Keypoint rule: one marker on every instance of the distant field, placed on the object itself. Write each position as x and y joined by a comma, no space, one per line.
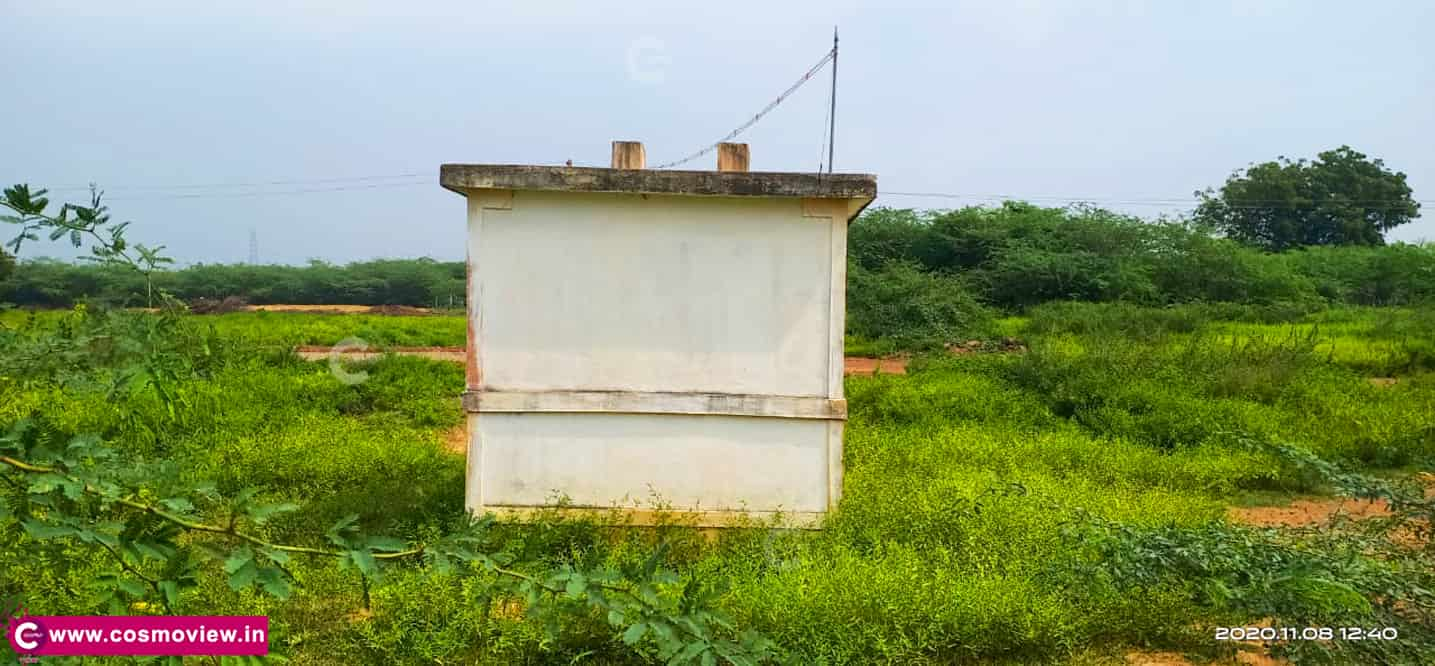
1376,341
290,329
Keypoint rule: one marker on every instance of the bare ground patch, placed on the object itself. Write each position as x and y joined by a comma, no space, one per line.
395,310
855,365
1303,513
455,440
319,353
1245,656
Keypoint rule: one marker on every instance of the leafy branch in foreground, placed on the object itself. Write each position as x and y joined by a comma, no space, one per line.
77,491
78,222
1377,572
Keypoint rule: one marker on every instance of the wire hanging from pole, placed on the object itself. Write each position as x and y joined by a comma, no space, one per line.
758,116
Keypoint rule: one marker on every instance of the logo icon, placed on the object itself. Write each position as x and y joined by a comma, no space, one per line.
355,346
648,60
26,636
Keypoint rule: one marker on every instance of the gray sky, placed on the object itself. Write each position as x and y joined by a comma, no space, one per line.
1049,101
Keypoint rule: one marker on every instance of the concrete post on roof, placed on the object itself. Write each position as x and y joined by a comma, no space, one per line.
641,336
732,157
629,155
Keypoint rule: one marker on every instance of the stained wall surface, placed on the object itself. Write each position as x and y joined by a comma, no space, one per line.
654,293
629,349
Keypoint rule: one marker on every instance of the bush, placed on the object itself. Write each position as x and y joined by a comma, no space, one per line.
416,282
1017,255
1150,323
7,266
887,236
1191,266
1397,274
913,309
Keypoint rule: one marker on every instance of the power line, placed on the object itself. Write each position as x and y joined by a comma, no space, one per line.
1110,200
265,193
753,121
270,183
823,145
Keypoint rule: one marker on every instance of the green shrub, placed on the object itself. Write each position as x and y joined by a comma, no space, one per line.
913,309
1398,274
1191,266
416,282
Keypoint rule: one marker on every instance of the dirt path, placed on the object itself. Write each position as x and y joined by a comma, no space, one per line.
1307,512
319,353
853,365
858,365
1303,513
1247,653
455,440
395,310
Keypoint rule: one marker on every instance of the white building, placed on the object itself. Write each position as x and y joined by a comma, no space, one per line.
639,336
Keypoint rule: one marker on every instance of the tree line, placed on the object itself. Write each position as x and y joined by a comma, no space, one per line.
417,282
1010,257
922,278
1285,236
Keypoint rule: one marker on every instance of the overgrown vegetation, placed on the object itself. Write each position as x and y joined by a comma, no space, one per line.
1024,507
48,283
1017,256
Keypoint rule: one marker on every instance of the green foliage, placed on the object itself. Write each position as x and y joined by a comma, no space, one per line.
162,534
76,223
1182,390
885,236
1340,198
414,282
1017,256
967,485
7,266
912,309
1397,274
159,533
1342,575
288,329
1191,266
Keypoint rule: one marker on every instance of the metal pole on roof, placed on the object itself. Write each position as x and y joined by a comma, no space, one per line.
832,127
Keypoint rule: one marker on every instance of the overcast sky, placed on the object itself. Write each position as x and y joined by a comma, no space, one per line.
166,104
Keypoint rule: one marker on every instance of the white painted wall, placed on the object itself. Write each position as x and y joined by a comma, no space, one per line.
702,463
654,295
663,293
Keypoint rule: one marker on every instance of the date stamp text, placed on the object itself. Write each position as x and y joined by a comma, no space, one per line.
1307,633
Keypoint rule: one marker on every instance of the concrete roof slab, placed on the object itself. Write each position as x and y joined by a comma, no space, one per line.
462,177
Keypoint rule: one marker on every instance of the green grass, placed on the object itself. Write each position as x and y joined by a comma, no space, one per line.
953,543
295,328
289,329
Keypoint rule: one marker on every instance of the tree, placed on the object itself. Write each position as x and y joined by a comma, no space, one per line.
1341,198
7,265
